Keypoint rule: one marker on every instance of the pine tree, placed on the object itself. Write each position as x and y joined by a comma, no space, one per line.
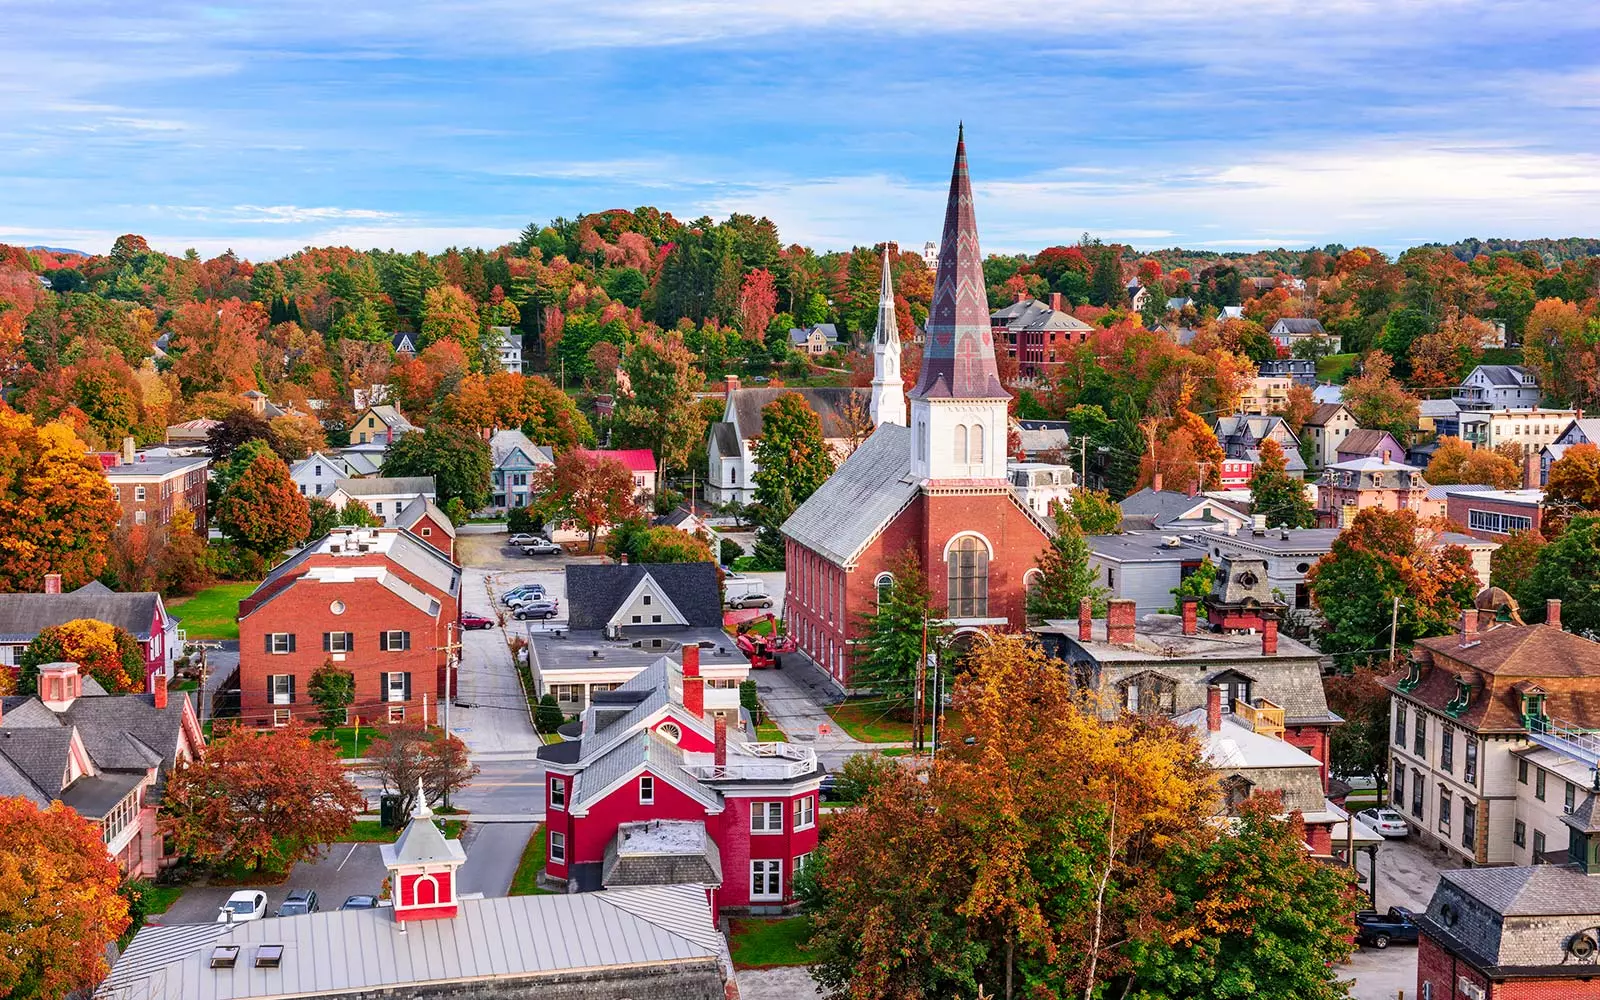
891,645
1278,495
1065,577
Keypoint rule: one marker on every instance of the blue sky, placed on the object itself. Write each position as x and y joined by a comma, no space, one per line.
1252,123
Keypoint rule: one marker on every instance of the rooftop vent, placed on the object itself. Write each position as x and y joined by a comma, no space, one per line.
269,956
224,956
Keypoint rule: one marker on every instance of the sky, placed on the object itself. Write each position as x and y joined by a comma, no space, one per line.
266,127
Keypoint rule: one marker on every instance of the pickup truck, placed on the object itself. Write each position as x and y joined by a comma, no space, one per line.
1379,929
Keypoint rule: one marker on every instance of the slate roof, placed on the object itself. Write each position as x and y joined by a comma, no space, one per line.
1033,315
23,616
1506,375
637,749
1529,891
386,486
508,940
726,438
391,417
1365,441
414,511
829,403
859,500
1563,664
657,853
1163,506
1301,327
405,342
594,593
504,445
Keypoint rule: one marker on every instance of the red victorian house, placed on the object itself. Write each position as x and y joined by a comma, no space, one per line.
937,488
650,793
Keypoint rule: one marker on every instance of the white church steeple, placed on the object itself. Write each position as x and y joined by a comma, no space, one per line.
888,391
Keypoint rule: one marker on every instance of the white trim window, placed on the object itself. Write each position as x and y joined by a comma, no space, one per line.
282,689
1497,523
280,717
558,847
280,643
805,813
800,862
766,817
647,790
558,793
397,686
138,494
397,713
395,641
766,879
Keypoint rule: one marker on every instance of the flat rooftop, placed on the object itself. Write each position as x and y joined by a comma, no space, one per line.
1159,637
589,649
1146,546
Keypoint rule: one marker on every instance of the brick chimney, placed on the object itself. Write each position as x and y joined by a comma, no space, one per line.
1531,471
720,728
1085,619
694,686
1155,482
1552,613
1269,636
1021,295
52,583
159,689
1119,622
1214,708
730,384
1469,626
1191,615
1055,301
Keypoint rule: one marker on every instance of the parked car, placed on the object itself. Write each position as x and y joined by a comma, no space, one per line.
520,539
525,590
298,903
360,903
828,787
1379,929
541,547
750,601
1388,822
472,620
244,905
522,599
538,610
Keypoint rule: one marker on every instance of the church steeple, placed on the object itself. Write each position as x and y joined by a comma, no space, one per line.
958,408
888,390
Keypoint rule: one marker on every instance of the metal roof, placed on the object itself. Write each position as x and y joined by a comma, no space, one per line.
351,951
387,486
859,500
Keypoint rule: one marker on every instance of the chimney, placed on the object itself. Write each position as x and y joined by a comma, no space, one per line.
1191,615
159,689
1155,482
694,686
52,583
1120,622
1055,301
127,451
1214,708
720,727
1258,525
1021,295
731,384
1552,613
1386,454
1269,636
1194,487
1085,619
1469,626
1531,471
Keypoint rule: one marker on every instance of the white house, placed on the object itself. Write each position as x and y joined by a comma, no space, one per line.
1498,387
509,346
731,443
1291,330
316,473
386,497
1040,485
1580,430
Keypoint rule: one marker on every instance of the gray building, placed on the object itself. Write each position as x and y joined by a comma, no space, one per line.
1144,567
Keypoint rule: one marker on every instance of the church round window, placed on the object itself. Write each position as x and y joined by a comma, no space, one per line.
1303,567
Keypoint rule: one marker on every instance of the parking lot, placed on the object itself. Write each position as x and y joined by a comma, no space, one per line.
346,870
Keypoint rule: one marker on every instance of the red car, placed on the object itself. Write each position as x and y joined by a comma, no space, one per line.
471,621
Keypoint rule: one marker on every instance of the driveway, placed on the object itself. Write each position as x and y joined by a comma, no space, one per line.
346,870
1381,975
493,853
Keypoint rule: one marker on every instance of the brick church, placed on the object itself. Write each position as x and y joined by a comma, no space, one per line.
935,485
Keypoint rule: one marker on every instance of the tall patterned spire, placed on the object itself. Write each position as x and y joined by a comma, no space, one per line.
888,389
958,356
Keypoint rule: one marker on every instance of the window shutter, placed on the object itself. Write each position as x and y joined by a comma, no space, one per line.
405,642
383,687
349,642
291,689
327,641
270,692
267,639
383,641
408,685
291,642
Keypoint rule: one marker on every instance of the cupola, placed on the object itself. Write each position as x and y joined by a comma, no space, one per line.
422,867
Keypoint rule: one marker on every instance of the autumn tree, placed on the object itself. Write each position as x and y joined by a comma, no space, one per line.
454,455
58,508
406,752
238,427
1446,355
333,691
591,492
1573,485
262,510
1455,461
1095,512
1568,570
1299,406
792,462
295,436
758,302
214,345
1382,556
448,313
1378,401
60,911
1360,747
658,409
891,643
106,652
1065,577
266,798
1275,494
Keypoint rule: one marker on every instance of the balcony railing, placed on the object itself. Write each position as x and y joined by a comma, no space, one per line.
754,761
1263,717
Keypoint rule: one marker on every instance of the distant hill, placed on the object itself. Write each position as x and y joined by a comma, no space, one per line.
60,250
1552,251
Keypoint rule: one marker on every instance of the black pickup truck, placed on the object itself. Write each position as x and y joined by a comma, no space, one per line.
1380,929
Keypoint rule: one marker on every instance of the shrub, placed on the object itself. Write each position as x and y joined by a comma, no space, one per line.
548,717
731,551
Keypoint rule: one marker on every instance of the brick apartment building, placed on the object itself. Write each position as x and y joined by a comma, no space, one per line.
1495,514
152,489
379,602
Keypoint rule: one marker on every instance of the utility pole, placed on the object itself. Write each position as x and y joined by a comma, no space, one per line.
919,695
1394,624
938,706
1083,462
452,650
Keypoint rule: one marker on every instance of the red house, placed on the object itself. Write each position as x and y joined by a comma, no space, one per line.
379,602
936,489
650,793
141,615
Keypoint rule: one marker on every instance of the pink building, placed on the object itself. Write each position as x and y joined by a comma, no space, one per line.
1347,488
640,463
650,792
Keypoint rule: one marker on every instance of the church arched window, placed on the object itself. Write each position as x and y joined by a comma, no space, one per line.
968,560
884,583
961,444
977,443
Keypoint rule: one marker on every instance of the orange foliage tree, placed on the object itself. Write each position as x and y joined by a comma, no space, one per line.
1456,461
215,345
57,507
103,651
59,905
1573,485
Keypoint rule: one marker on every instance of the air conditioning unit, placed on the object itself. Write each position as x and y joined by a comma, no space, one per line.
1469,989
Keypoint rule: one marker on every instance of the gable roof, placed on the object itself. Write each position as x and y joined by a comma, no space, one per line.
632,459
1505,375
1367,441
1164,506
389,416
404,341
386,486
23,616
1529,891
725,437
1300,325
859,500
505,446
828,403
596,593
1324,413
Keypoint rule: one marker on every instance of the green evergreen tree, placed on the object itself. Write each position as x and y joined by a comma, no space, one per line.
1568,570
549,715
891,644
1065,576
1280,497
333,689
792,461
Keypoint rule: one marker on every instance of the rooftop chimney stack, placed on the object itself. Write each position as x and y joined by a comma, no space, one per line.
1055,301
1469,626
1214,708
1155,482
1191,615
52,583
694,686
1120,618
159,689
1085,619
1552,613
1532,471
127,451
1269,636
720,728
731,384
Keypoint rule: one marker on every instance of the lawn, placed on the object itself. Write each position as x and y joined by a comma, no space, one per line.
764,944
526,881
767,731
1336,367
213,613
347,737
867,722
369,831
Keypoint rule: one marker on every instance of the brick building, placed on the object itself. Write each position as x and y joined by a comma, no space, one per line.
151,489
1036,334
649,773
379,602
1495,514
936,489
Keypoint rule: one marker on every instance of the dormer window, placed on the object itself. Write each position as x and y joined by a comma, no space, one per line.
1461,699
1533,712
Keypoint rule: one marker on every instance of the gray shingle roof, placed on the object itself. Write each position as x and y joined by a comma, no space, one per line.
504,445
829,404
386,486
1507,375
726,437
420,506
859,500
1532,891
633,857
1301,327
510,938
23,616
594,593
1161,506
39,754
392,418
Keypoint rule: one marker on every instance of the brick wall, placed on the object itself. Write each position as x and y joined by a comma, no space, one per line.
1459,508
1436,965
